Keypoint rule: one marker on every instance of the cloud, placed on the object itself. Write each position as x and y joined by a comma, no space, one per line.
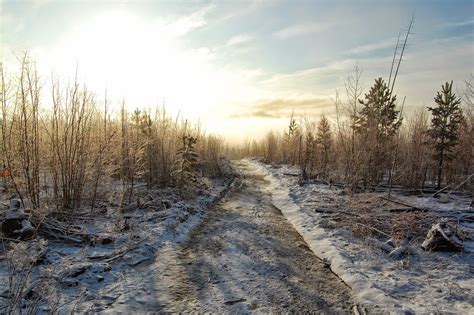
333,68
458,24
10,25
187,23
299,30
39,3
386,43
281,108
239,40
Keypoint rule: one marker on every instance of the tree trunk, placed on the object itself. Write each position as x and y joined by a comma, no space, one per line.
440,169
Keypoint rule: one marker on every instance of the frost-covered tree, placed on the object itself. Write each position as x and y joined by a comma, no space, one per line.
324,141
293,141
468,92
376,125
309,151
446,119
186,159
309,155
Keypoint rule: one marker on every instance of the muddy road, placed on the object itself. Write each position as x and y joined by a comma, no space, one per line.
244,258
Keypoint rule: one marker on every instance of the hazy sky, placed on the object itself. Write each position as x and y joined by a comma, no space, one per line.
241,67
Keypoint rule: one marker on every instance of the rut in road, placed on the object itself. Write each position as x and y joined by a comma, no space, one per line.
247,258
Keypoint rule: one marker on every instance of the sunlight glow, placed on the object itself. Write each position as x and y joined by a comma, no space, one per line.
144,62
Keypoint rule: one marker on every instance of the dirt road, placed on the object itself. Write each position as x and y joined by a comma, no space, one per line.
245,258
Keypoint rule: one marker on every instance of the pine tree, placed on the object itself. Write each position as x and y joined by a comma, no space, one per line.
292,141
376,125
186,159
446,119
324,141
309,156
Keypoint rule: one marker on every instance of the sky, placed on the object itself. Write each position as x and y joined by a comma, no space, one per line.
240,67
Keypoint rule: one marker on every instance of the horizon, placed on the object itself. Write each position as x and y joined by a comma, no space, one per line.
241,68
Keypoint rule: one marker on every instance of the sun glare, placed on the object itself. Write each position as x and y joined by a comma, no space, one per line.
140,62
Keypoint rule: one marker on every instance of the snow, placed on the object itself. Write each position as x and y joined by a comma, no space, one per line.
95,276
243,258
422,283
141,258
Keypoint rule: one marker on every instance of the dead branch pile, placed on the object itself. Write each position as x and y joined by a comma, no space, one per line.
24,224
381,218
52,228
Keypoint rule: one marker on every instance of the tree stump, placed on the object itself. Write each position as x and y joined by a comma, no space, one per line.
16,223
443,236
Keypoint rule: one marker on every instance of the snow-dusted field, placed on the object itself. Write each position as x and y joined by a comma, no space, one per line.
422,282
237,255
243,258
94,276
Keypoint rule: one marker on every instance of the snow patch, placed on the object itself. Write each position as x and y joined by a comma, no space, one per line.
377,281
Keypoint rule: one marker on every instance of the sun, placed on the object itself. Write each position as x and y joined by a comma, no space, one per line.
140,61
146,63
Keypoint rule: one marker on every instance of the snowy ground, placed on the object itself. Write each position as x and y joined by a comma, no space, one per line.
95,276
221,252
422,282
244,258
253,246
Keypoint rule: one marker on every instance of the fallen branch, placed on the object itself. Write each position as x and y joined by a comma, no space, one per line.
374,229
329,211
378,244
459,186
405,204
399,210
440,191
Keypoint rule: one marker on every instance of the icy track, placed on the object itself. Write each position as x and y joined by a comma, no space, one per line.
243,258
433,282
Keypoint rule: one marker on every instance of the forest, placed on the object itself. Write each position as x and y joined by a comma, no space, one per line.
371,144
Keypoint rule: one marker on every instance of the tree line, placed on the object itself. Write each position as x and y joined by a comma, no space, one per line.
371,143
69,149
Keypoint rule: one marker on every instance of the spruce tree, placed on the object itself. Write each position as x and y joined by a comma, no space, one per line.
324,141
186,159
376,124
446,119
292,139
309,156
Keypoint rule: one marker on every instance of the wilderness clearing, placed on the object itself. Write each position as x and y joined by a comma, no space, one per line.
244,258
237,157
238,255
257,242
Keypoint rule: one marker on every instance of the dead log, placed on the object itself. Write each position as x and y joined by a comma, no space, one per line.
412,208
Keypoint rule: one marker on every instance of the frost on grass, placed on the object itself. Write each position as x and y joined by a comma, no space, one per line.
374,244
